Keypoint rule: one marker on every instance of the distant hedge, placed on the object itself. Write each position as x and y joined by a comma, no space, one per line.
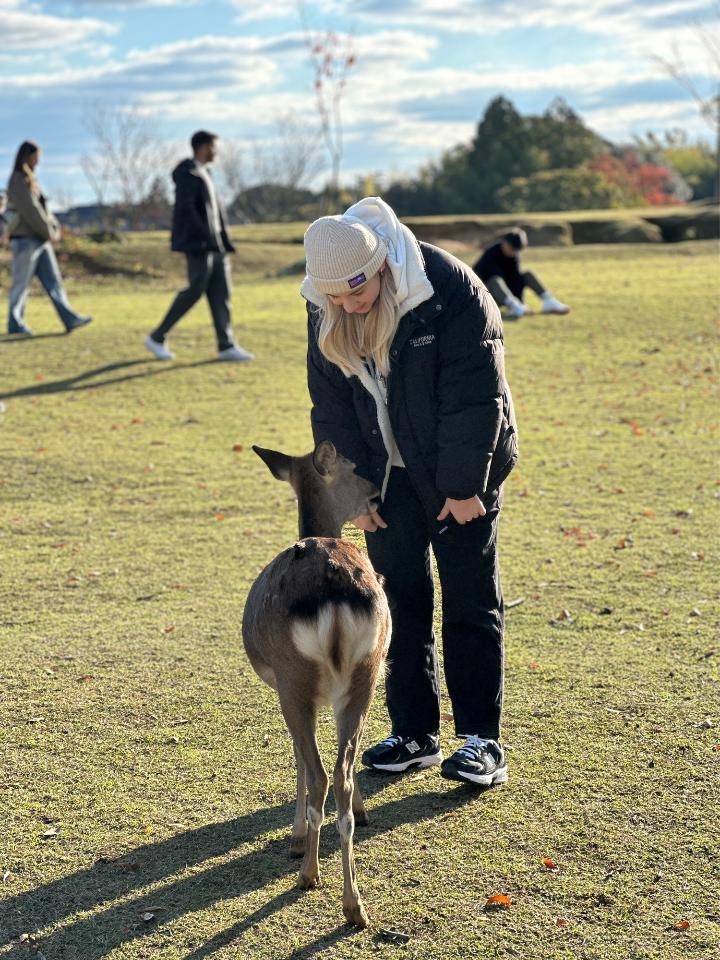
688,224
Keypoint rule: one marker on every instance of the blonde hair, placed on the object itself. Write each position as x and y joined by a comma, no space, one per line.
349,339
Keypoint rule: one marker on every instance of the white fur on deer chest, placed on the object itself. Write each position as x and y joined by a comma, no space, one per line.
336,640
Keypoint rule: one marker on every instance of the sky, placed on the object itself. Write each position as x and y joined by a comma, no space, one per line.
424,72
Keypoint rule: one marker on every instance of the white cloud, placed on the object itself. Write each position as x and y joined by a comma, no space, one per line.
618,122
265,9
25,27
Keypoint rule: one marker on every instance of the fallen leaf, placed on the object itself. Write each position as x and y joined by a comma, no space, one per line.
565,615
85,678
446,717
50,832
498,901
6,876
169,628
237,448
561,922
681,924
219,516
550,864
698,554
534,665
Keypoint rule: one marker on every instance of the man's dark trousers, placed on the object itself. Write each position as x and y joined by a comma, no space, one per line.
208,273
472,608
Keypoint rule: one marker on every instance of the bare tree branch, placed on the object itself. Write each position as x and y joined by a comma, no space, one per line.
332,56
128,156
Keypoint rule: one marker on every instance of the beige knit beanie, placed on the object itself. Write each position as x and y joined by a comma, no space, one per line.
342,254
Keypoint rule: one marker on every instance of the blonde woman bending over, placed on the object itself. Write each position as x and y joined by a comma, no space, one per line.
407,378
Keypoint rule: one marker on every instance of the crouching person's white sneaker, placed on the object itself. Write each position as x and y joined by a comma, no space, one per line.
235,354
158,350
515,308
551,304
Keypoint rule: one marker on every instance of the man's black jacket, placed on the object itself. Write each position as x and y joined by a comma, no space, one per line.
449,403
494,263
192,214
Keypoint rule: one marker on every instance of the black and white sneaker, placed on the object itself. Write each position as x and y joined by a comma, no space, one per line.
478,760
396,754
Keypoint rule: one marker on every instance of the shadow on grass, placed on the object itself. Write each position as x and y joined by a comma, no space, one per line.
22,338
75,383
93,937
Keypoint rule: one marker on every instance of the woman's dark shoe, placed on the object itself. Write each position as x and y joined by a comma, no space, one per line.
19,328
395,754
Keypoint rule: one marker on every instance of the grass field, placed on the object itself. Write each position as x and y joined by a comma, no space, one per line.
147,781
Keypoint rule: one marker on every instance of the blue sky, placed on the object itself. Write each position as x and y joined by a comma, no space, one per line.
425,71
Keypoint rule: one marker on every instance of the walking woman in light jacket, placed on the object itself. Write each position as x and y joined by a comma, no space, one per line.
32,232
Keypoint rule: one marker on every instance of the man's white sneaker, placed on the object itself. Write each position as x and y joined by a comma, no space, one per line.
552,305
159,350
235,354
516,308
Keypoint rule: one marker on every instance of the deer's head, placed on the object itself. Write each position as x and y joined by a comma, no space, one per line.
328,490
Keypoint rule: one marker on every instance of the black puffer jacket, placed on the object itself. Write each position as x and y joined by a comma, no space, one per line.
192,214
449,403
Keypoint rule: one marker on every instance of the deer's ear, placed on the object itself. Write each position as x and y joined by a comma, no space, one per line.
324,457
278,463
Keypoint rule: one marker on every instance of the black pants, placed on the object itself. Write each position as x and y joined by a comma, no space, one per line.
500,290
209,274
472,614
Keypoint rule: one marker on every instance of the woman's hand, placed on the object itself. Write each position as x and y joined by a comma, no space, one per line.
463,510
370,522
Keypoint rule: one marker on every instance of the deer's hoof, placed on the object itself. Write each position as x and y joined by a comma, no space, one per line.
297,847
355,914
361,819
307,882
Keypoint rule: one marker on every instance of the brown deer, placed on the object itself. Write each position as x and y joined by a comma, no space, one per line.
316,628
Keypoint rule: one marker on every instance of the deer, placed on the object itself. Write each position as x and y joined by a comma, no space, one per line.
316,628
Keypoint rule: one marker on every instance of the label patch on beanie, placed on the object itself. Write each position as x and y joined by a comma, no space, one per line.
357,281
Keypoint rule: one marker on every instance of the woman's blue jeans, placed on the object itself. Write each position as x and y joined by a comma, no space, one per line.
32,257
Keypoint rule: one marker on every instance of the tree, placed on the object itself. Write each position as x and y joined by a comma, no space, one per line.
500,150
128,155
332,57
694,162
560,139
641,181
256,176
707,102
580,189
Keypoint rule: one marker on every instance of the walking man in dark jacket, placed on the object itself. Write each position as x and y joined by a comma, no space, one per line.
499,269
198,231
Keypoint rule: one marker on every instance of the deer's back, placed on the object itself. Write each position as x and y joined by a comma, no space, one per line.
319,602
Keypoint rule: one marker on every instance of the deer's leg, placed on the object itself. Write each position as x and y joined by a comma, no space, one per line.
350,723
300,717
358,806
299,833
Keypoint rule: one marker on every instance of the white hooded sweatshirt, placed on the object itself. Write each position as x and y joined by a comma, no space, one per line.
413,288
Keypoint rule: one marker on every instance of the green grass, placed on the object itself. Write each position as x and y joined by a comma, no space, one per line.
131,721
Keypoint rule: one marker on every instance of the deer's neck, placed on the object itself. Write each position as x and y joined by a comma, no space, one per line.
316,523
